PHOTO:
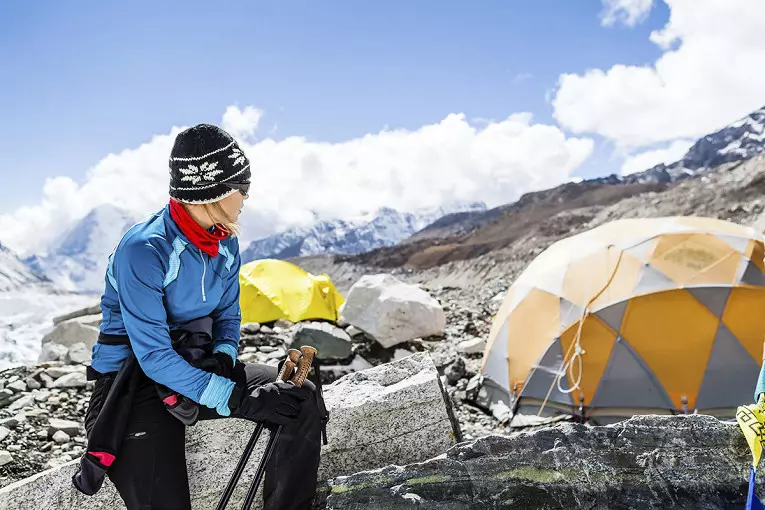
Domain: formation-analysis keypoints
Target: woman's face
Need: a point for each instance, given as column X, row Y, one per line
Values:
column 232, row 205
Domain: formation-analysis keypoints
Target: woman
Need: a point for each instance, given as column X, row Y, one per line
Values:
column 176, row 268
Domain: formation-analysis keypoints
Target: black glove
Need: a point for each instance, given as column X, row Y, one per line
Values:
column 277, row 402
column 219, row 363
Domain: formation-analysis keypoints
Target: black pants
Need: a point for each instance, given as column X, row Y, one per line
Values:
column 150, row 470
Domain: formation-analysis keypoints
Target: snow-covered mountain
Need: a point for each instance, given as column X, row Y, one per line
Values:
column 15, row 274
column 738, row 141
column 28, row 303
column 384, row 227
column 77, row 261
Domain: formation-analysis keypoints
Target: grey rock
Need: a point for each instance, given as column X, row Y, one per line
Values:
column 266, row 330
column 73, row 380
column 391, row 311
column 33, row 384
column 91, row 310
column 472, row 346
column 10, row 423
column 283, row 324
column 71, row 332
column 455, row 371
column 25, row 401
column 78, row 353
column 61, row 437
column 4, row 433
column 14, row 448
column 393, row 413
column 52, row 352
column 647, row 462
column 248, row 357
column 18, row 386
column 330, row 341
column 265, row 348
column 47, row 380
column 72, row 428
column 353, row 331
column 56, row 372
column 249, row 328
column 5, row 458
column 276, row 354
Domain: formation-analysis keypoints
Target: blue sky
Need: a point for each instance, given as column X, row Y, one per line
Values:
column 344, row 107
column 81, row 82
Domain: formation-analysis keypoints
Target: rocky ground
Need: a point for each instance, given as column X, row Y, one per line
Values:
column 42, row 407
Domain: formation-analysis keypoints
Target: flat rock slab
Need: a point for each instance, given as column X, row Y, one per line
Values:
column 647, row 462
column 392, row 413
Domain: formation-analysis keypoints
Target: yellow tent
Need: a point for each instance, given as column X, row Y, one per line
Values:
column 636, row 316
column 275, row 289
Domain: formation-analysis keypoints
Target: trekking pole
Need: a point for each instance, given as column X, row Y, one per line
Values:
column 284, row 375
column 304, row 365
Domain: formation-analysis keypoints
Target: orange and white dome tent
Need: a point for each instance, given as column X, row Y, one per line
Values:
column 641, row 316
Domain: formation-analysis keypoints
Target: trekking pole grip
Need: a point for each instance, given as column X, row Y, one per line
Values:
column 304, row 365
column 293, row 356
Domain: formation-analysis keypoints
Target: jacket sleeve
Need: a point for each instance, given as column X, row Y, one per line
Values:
column 140, row 275
column 227, row 316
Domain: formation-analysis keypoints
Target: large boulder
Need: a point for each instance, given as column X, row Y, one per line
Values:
column 331, row 342
column 647, row 462
column 391, row 311
column 393, row 413
column 70, row 332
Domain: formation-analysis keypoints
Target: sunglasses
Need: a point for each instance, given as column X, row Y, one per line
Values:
column 242, row 187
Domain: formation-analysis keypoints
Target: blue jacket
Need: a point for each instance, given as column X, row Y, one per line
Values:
column 157, row 280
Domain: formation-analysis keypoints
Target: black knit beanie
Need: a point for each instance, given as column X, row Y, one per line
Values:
column 204, row 158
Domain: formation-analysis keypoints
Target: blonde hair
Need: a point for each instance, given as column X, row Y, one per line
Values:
column 219, row 216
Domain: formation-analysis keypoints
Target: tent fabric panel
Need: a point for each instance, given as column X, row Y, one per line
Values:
column 628, row 382
column 739, row 243
column 756, row 253
column 745, row 318
column 669, row 328
column 652, row 280
column 586, row 276
column 729, row 374
column 542, row 379
column 699, row 258
column 569, row 313
column 532, row 327
column 643, row 250
column 613, row 315
column 623, row 283
column 597, row 341
column 714, row 298
column 494, row 365
column 752, row 275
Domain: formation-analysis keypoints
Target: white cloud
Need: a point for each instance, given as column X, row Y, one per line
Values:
column 521, row 77
column 628, row 12
column 241, row 124
column 294, row 178
column 709, row 74
column 649, row 159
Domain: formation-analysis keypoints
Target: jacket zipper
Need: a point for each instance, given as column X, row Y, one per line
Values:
column 204, row 273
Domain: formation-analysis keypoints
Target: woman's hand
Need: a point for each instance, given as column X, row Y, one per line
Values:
column 277, row 402
column 219, row 363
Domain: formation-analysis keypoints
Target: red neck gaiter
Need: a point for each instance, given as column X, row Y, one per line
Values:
column 203, row 239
